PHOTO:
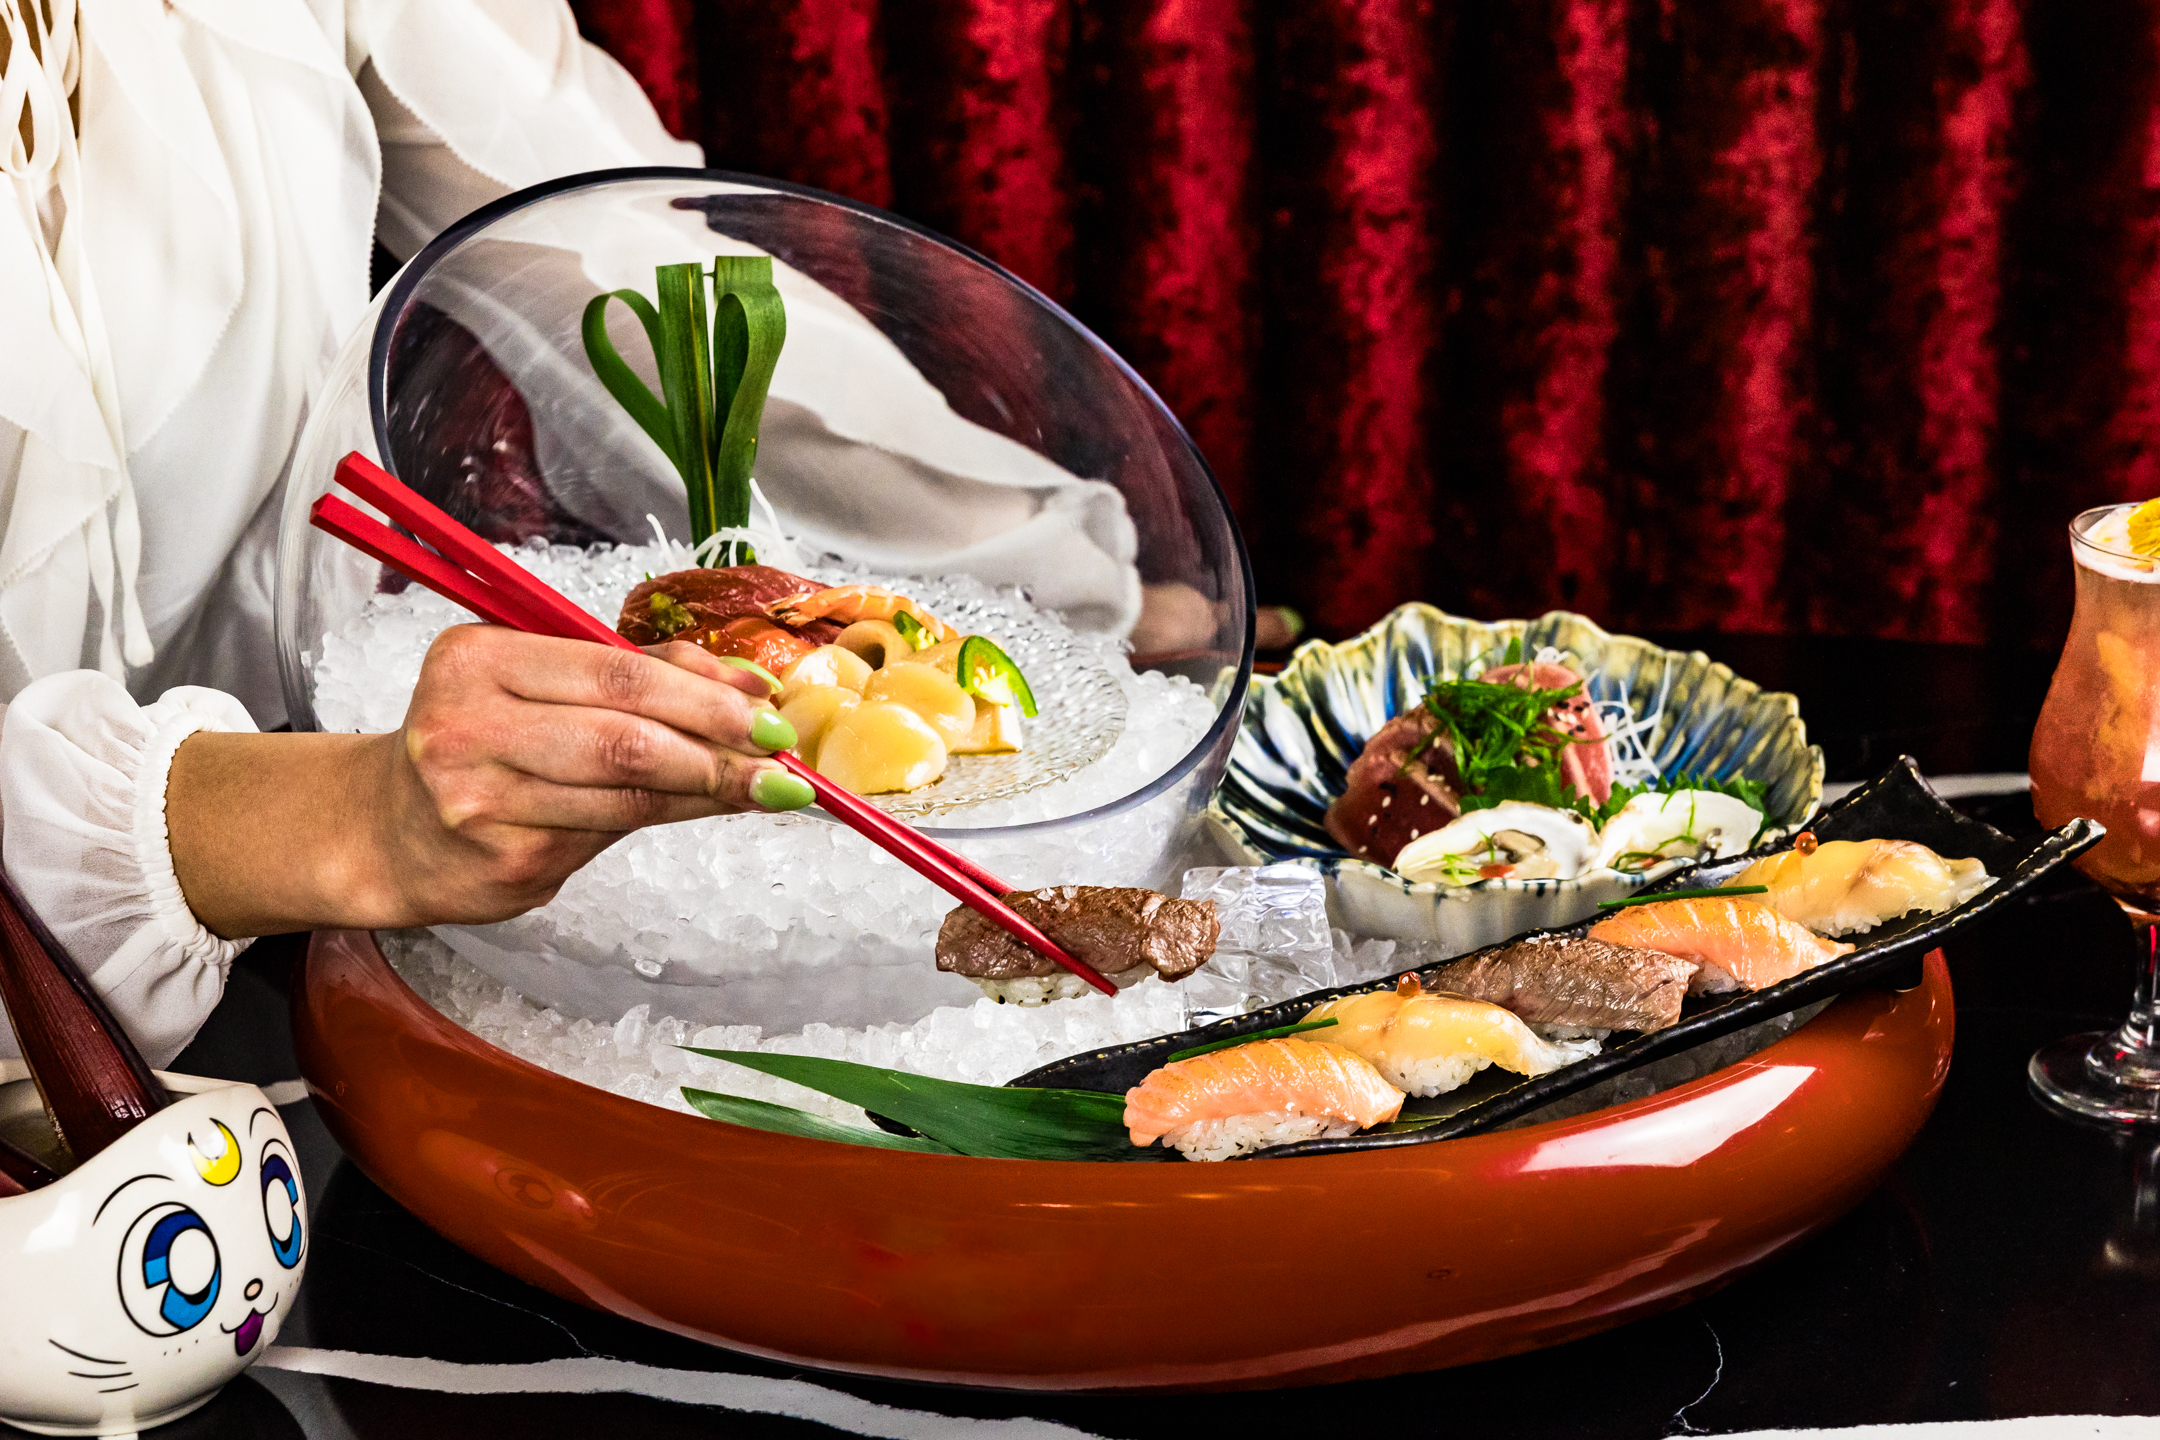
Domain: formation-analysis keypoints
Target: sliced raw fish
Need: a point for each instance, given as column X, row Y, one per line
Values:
column 1740, row 944
column 1390, row 798
column 1575, row 981
column 1587, row 763
column 715, row 596
column 1428, row 1042
column 1843, row 887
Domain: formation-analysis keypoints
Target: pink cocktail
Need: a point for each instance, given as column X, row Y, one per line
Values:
column 2096, row 753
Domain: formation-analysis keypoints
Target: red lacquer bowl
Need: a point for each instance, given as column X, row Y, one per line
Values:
column 1037, row 1275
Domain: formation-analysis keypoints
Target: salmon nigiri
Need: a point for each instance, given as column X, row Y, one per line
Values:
column 1249, row 1097
column 1740, row 944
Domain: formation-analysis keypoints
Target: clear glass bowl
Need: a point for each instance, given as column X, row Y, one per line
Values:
column 933, row 418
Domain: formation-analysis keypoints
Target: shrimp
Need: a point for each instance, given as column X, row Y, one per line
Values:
column 846, row 604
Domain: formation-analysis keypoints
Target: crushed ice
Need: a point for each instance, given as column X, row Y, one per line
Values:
column 782, row 920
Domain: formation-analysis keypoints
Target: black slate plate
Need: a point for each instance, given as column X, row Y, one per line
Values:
column 1898, row 806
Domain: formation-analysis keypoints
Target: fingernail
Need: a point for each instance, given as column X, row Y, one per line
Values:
column 769, row 730
column 778, row 790
column 771, row 680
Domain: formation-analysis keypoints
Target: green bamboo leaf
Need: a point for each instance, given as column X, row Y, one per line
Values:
column 1002, row 1121
column 646, row 408
column 749, row 329
column 786, row 1120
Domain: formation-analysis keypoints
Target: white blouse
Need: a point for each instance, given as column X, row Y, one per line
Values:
column 177, row 269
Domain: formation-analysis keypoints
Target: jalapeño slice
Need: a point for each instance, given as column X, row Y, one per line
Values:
column 913, row 631
column 989, row 672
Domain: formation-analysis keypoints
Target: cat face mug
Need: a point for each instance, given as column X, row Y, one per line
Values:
column 136, row 1285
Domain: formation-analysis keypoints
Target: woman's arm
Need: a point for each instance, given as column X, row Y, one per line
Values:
column 521, row 758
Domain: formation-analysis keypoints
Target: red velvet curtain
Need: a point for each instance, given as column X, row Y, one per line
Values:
column 1754, row 315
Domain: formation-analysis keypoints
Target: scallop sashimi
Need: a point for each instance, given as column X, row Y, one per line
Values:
column 1844, row 887
column 1740, row 944
column 1249, row 1097
column 1428, row 1043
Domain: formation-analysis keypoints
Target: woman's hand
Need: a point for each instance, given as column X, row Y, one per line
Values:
column 520, row 759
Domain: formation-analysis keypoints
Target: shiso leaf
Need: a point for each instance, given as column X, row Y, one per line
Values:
column 786, row 1120
column 997, row 1121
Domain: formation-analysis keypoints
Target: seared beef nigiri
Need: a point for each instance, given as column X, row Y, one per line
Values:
column 1578, row 982
column 1124, row 932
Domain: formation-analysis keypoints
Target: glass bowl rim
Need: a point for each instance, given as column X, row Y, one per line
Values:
column 398, row 295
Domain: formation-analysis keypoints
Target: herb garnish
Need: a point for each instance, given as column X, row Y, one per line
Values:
column 669, row 615
column 1275, row 1034
column 1683, row 895
column 1504, row 744
column 713, row 372
column 1752, row 793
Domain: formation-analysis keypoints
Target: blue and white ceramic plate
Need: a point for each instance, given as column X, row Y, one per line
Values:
column 1304, row 727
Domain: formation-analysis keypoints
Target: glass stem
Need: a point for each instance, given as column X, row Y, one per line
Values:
column 2141, row 1032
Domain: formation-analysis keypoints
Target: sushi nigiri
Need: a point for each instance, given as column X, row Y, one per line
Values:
column 1574, row 983
column 1740, row 944
column 1430, row 1043
column 1843, row 887
column 1249, row 1097
column 1126, row 933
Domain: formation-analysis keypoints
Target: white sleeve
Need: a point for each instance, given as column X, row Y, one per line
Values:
column 476, row 98
column 82, row 833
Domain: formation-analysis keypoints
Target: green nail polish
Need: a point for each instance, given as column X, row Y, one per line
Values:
column 778, row 790
column 769, row 730
column 756, row 669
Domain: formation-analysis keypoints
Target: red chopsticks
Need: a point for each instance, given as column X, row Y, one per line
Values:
column 499, row 590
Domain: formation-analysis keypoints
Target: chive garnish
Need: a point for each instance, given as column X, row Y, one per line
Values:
column 1275, row 1034
column 1683, row 895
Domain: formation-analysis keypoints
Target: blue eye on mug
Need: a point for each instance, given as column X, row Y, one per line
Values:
column 281, row 1207
column 169, row 1269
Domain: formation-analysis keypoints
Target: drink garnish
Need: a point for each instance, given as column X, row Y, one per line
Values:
column 2144, row 529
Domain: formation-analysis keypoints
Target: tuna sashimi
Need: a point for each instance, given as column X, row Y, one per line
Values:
column 1740, row 944
column 1584, row 983
column 1390, row 798
column 716, row 596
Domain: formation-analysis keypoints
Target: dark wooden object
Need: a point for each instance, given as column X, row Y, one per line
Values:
column 94, row 1082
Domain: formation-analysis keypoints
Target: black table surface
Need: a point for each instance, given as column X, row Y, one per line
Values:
column 2010, row 1266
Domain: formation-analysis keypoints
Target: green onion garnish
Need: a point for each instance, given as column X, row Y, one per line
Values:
column 1276, row 1034
column 989, row 672
column 1683, row 895
column 714, row 374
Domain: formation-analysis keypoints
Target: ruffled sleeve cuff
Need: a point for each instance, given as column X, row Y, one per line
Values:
column 83, row 771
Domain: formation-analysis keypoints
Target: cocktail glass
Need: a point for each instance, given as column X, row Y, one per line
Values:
column 2096, row 753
